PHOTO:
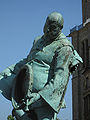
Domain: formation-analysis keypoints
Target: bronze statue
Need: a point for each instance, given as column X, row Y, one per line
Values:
column 37, row 84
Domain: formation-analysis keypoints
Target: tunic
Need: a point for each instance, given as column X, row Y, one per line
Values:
column 51, row 63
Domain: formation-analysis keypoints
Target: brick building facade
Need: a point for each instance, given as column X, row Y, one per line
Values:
column 81, row 79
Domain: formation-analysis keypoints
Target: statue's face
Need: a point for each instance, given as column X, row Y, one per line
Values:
column 53, row 25
column 51, row 29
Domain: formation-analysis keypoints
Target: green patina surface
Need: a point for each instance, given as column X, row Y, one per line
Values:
column 37, row 84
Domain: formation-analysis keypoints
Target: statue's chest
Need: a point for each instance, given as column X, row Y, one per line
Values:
column 44, row 53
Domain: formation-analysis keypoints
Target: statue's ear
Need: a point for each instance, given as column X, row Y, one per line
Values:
column 6, row 86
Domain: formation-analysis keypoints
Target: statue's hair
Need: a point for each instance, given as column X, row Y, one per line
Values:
column 57, row 17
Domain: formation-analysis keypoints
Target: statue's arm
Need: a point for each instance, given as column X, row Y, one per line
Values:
column 53, row 93
column 13, row 69
column 7, row 76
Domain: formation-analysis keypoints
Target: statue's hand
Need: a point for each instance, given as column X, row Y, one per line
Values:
column 33, row 97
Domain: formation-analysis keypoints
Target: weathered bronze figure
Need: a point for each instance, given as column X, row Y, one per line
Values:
column 37, row 85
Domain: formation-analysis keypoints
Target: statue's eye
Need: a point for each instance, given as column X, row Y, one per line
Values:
column 52, row 27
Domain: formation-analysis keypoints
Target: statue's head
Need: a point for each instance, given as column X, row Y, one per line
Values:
column 53, row 25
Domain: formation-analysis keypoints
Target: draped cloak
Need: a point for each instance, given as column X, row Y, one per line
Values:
column 51, row 63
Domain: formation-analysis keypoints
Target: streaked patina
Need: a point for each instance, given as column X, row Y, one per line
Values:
column 37, row 84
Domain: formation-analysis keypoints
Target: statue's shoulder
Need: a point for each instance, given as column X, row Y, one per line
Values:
column 76, row 57
column 37, row 39
column 65, row 41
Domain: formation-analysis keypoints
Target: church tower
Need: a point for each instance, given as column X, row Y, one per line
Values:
column 85, row 10
column 81, row 79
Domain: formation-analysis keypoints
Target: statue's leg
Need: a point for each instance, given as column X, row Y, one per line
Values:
column 42, row 111
column 45, row 113
column 20, row 115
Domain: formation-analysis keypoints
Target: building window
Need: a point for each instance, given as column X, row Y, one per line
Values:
column 87, row 107
column 89, row 56
column 85, row 53
column 87, row 82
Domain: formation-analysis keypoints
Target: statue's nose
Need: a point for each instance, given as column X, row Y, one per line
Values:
column 48, row 30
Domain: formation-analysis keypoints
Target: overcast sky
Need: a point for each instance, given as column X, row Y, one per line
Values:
column 23, row 20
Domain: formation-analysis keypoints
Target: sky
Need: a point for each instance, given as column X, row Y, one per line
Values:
column 23, row 20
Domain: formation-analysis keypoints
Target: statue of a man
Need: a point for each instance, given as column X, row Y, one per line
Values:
column 37, row 85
